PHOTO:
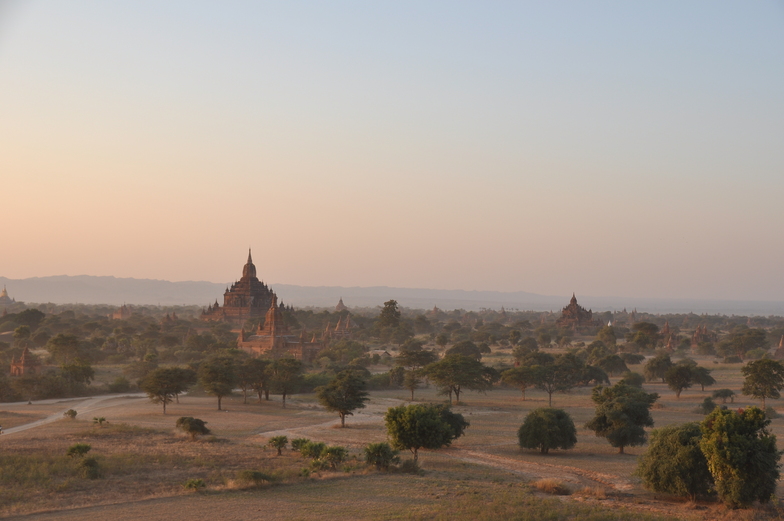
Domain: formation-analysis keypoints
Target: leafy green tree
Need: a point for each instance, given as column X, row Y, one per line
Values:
column 78, row 372
column 559, row 376
column 454, row 373
column 515, row 336
column 633, row 379
column 644, row 335
column 279, row 443
column 164, row 383
column 78, row 450
column 546, row 429
column 524, row 347
column 674, row 462
column 622, row 413
column 423, row 426
column 258, row 373
column 724, row 395
column 678, row 378
column 413, row 355
column 344, row 394
column 592, row 375
column 657, row 367
column 442, row 339
column 21, row 336
column 286, row 376
column 30, row 318
column 741, row 454
column 702, row 377
column 390, row 315
column 382, row 455
column 521, row 377
column 192, row 426
column 218, row 377
column 764, row 379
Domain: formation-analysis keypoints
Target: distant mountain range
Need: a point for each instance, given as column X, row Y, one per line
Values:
column 86, row 289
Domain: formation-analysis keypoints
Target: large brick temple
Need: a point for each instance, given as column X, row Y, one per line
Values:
column 246, row 298
column 576, row 316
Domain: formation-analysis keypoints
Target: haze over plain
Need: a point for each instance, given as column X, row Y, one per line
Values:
column 603, row 148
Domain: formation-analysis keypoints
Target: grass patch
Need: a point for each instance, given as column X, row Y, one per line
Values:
column 551, row 486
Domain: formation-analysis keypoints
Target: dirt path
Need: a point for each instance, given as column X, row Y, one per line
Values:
column 86, row 406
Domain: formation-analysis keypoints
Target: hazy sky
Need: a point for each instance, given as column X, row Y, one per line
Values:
column 608, row 148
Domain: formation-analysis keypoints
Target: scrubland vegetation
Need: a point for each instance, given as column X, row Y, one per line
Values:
column 494, row 411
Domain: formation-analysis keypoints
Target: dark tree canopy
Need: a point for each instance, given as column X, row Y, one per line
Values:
column 344, row 394
column 286, row 376
column 546, row 429
column 622, row 413
column 679, row 377
column 390, row 315
column 562, row 374
column 743, row 339
column 423, row 426
column 520, row 377
column 465, row 348
column 192, row 426
column 657, row 367
column 674, row 462
column 164, row 383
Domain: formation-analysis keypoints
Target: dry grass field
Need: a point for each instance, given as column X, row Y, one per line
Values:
column 144, row 462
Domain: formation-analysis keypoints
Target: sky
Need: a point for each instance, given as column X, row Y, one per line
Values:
column 604, row 148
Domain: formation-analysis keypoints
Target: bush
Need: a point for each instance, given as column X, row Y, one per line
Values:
column 298, row 443
column 253, row 477
column 382, row 455
column 192, row 426
column 120, row 385
column 551, row 486
column 756, row 354
column 706, row 407
column 70, row 414
column 194, row 484
column 632, row 358
column 333, row 456
column 312, row 449
column 90, row 468
column 78, row 450
column 546, row 429
column 674, row 462
column 732, row 360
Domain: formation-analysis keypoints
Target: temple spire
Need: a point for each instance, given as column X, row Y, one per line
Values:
column 250, row 259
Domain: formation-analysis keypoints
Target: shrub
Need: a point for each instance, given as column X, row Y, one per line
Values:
column 732, row 360
column 756, row 354
column 546, row 429
column 99, row 420
column 253, row 477
column 279, row 443
column 382, row 455
column 312, row 449
column 706, row 407
column 674, row 462
column 90, row 468
column 551, row 486
column 194, row 484
column 192, row 426
column 78, row 450
column 70, row 414
column 298, row 443
column 120, row 385
column 633, row 379
column 632, row 358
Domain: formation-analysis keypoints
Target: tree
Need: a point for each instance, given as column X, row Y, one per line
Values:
column 633, row 379
column 164, row 383
column 657, row 367
column 607, row 336
column 78, row 372
column 286, row 376
column 546, row 429
column 724, row 395
column 63, row 347
column 411, row 380
column 514, row 336
column 622, row 413
column 465, row 348
column 702, row 377
column 559, row 376
column 344, row 394
column 382, row 455
column 192, row 426
column 78, row 450
column 258, row 374
column 413, row 355
column 218, row 377
column 678, row 378
column 21, row 336
column 524, row 347
column 741, row 454
column 743, row 339
column 644, row 335
column 764, row 379
column 612, row 365
column 423, row 426
column 279, row 443
column 521, row 377
column 457, row 372
column 674, row 462
column 390, row 315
